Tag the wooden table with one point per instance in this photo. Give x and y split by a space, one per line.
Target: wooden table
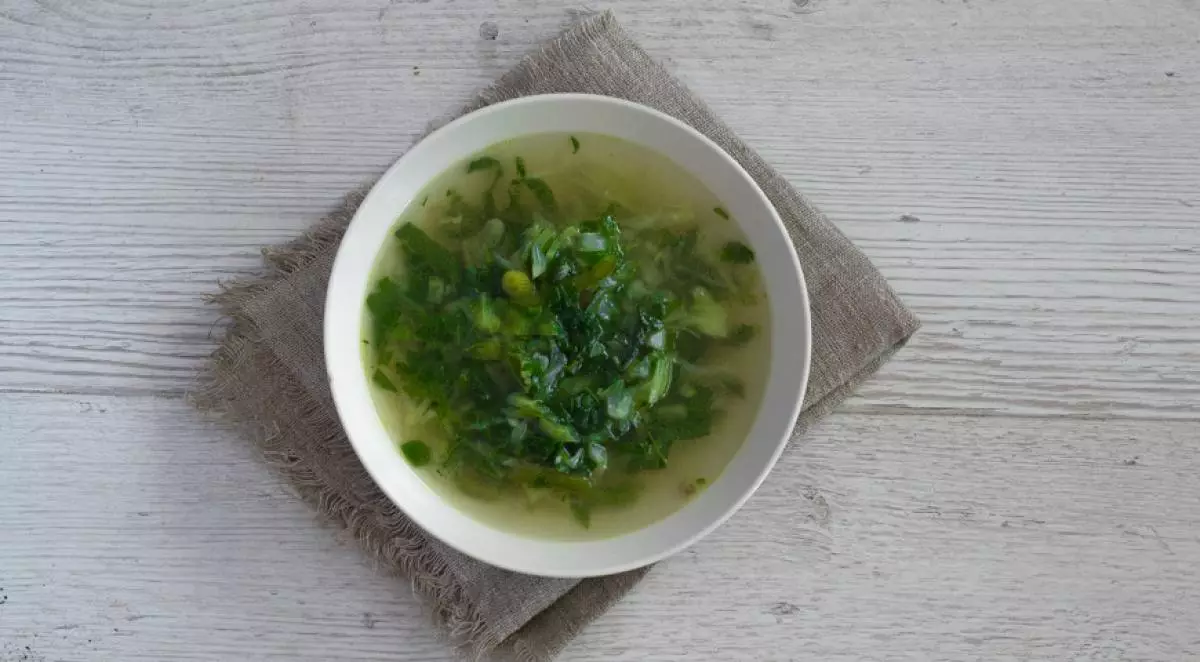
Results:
1020 483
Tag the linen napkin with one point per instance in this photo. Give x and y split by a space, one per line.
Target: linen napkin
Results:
269 373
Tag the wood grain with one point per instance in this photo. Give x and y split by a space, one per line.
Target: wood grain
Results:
879 536
1017 484
1050 191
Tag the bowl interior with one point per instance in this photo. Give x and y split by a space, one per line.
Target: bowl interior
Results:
784 283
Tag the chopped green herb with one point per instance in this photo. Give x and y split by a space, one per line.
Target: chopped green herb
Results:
574 145
720 211
417 453
424 200
382 381
735 252
541 191
483 163
554 356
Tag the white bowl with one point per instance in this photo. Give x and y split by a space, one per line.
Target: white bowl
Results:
790 332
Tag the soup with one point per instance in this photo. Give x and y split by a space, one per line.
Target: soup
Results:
567 336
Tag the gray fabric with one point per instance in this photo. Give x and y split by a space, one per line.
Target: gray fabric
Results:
269 373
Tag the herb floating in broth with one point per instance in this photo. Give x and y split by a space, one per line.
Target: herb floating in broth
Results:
552 354
736 252
417 453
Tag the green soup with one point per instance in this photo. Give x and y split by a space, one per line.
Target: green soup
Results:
567 336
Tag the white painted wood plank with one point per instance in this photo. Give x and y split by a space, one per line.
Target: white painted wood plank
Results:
134 530
1051 160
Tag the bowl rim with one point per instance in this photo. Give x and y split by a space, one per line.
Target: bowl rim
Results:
332 323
